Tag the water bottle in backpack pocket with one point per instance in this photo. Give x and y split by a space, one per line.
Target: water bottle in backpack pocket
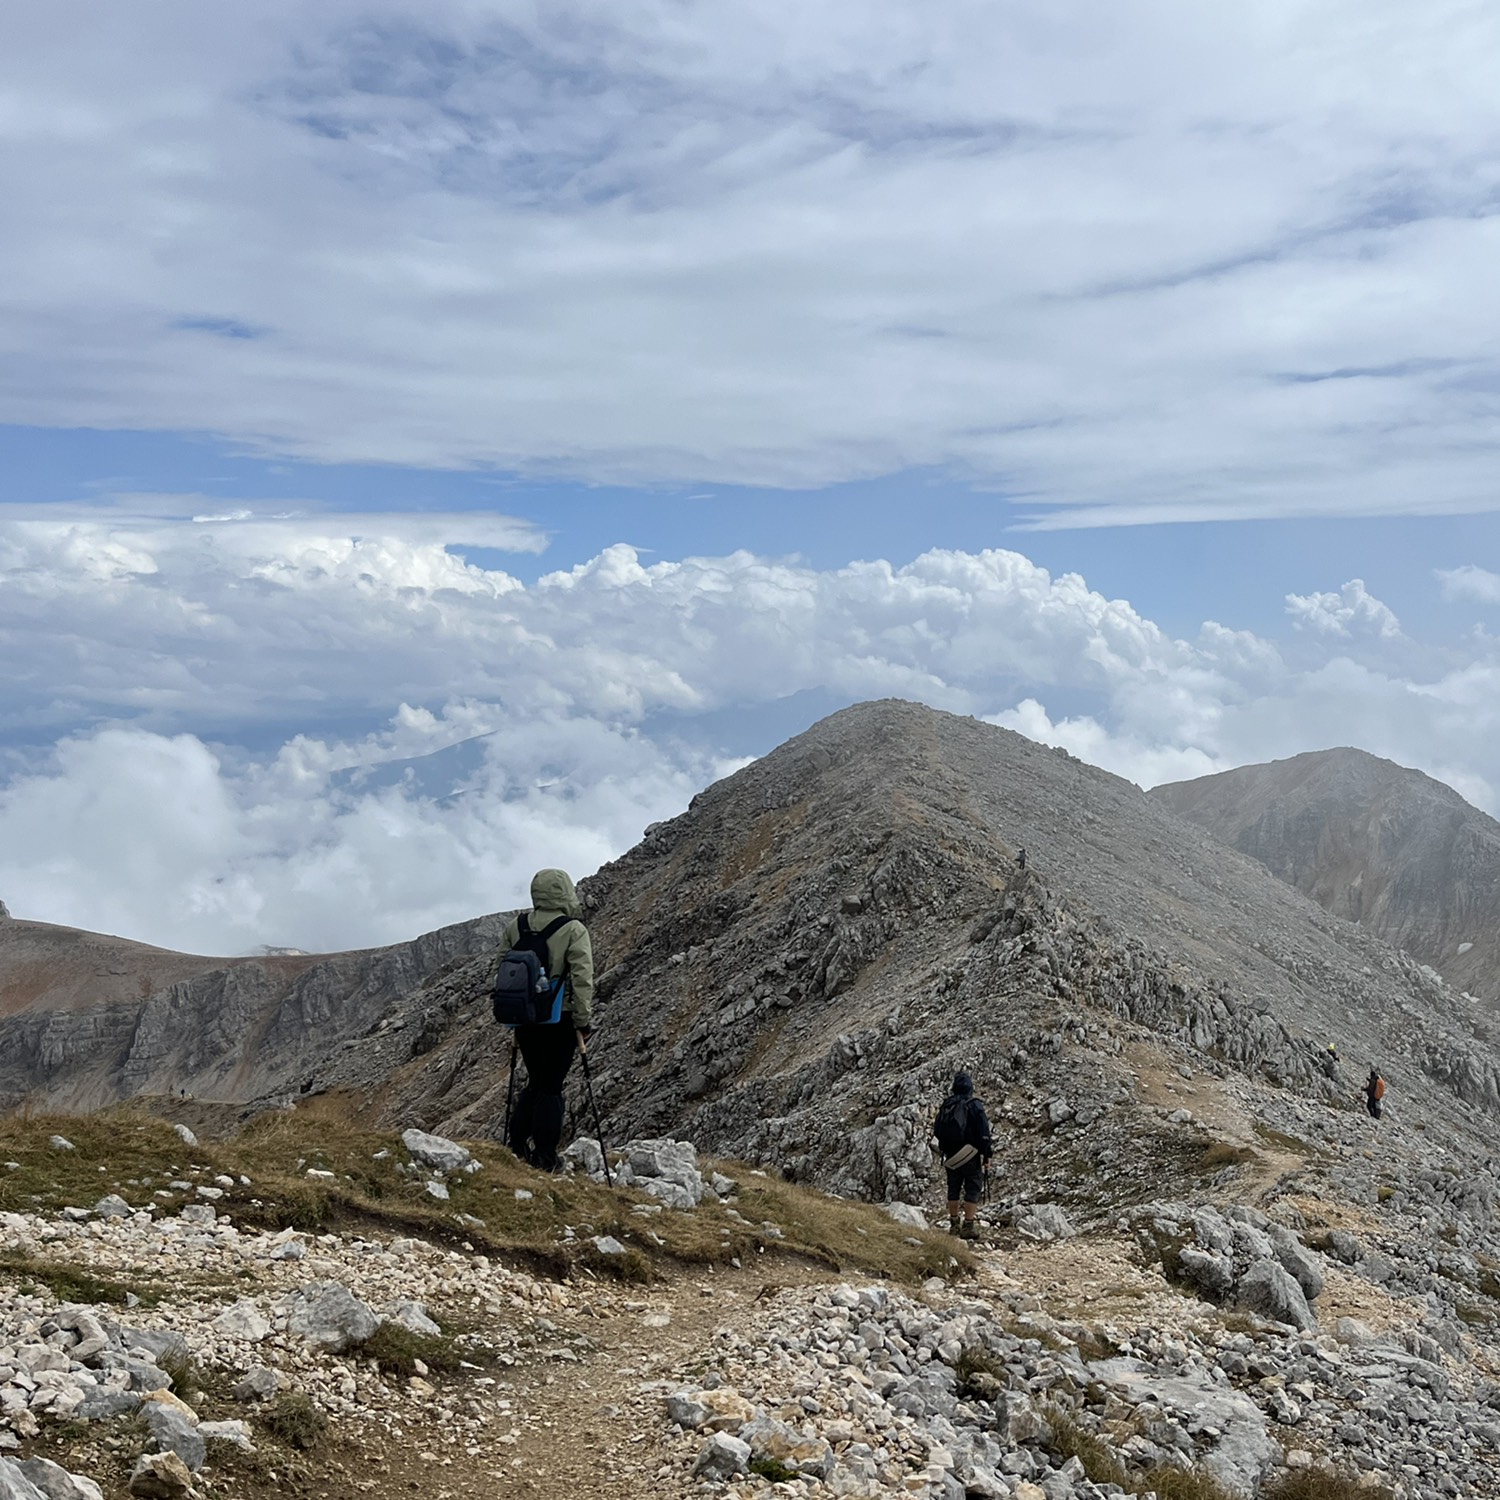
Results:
524 993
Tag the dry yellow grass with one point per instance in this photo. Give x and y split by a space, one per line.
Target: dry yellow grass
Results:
138 1155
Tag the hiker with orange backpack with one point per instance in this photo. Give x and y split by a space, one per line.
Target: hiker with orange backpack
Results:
1374 1094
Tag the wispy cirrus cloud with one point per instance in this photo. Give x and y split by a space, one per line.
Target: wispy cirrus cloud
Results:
1121 266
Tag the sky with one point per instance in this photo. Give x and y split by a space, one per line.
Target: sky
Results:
436 440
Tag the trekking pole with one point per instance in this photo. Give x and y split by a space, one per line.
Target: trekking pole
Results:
510 1091
588 1083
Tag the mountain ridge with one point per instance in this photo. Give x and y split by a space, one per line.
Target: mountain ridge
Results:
1390 848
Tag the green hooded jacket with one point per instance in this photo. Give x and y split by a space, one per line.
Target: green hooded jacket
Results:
570 951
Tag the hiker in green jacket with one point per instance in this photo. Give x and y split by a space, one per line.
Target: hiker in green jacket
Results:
537 1121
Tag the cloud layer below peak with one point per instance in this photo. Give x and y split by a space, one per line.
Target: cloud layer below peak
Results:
202 750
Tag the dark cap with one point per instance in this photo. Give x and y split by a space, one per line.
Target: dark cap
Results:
962 1084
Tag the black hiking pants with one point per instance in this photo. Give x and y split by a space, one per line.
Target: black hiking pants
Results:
967 1182
537 1123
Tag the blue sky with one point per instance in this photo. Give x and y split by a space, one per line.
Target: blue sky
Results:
621 385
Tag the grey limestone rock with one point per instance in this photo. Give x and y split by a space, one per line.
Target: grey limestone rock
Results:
330 1315
259 1383
411 1316
175 1432
436 1151
161 1476
1268 1290
243 1320
56 1483
14 1485
722 1457
1044 1221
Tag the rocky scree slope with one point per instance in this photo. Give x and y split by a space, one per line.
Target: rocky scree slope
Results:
86 1020
1067 1369
794 967
1372 842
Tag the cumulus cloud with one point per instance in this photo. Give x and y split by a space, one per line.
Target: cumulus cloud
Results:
1352 609
1470 583
1123 264
158 837
201 749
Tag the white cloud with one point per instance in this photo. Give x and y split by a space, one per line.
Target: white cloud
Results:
1352 609
156 837
1470 583
1123 263
220 767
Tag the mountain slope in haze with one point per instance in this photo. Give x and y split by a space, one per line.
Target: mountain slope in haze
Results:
1372 842
794 967
87 1019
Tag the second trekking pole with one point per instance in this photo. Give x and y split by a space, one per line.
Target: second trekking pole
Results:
588 1083
510 1092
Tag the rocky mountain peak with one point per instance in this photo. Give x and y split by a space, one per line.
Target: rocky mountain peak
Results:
1372 842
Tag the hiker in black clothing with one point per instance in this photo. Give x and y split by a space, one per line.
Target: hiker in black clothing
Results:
1374 1094
963 1134
1021 858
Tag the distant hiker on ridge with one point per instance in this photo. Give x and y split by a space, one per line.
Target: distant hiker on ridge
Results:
963 1136
554 930
1374 1094
1021 858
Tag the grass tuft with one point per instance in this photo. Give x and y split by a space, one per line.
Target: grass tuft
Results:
772 1470
182 1369
294 1420
1321 1483
66 1282
397 1350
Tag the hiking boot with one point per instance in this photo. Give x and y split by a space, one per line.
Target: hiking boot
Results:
952 1226
970 1230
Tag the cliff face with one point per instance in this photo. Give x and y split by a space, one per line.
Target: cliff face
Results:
795 967
1372 842
87 1019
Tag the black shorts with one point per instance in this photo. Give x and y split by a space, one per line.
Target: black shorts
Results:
966 1182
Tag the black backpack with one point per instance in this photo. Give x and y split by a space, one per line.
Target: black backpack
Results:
952 1124
524 993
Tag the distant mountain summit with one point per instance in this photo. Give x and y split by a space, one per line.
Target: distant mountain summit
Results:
1370 841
